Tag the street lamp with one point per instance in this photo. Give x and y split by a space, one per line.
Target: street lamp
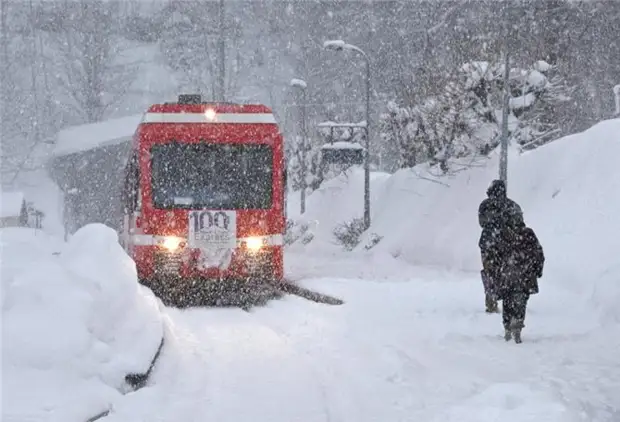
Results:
340 45
302 85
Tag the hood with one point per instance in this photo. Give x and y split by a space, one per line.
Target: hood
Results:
497 189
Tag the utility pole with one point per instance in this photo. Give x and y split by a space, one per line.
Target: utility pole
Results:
304 141
221 83
367 160
503 159
4 65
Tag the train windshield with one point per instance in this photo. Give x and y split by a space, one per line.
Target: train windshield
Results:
217 176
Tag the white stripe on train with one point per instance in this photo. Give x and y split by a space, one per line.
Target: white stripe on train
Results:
150 240
247 118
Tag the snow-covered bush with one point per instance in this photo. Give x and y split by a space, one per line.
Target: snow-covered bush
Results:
373 240
294 231
297 230
349 233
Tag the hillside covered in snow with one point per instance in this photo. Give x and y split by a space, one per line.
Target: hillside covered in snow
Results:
566 189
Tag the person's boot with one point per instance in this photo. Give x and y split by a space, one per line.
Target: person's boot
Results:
516 327
507 334
490 304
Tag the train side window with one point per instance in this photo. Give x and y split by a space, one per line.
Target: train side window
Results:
131 191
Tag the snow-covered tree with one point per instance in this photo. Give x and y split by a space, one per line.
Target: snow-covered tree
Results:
95 67
465 119
189 43
541 93
314 175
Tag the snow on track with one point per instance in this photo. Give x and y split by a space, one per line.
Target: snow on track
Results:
226 366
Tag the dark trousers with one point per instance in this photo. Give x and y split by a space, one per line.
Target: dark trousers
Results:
514 308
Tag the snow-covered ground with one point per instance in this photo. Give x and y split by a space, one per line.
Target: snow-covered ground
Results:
418 348
411 342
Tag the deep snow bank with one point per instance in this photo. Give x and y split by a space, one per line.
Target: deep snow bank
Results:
74 324
568 190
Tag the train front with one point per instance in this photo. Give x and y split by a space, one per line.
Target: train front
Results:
212 194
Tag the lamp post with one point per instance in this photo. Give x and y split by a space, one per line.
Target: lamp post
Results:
340 45
221 76
302 85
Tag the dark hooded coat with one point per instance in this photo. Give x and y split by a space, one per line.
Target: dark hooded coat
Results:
493 215
521 259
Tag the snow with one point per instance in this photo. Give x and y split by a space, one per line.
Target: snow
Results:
331 124
536 79
416 347
411 342
565 189
617 95
343 145
299 83
522 101
74 324
542 66
11 204
478 70
334 44
94 135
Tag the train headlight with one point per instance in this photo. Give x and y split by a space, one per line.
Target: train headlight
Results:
210 114
254 244
172 243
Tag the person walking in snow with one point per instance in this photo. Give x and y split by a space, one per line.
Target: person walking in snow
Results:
522 260
491 217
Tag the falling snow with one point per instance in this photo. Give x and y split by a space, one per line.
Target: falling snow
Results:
184 195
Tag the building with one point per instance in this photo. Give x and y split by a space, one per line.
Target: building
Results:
87 164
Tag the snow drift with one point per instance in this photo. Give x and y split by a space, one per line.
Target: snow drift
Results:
74 324
568 191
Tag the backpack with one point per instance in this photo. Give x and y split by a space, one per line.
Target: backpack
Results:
535 257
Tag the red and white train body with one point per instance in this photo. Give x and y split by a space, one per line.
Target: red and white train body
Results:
204 192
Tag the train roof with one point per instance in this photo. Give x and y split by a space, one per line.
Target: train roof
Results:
193 103
192 109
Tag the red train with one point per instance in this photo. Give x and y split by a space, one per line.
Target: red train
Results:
204 192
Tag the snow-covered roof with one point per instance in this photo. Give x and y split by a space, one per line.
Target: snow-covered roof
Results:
299 83
343 145
95 135
336 124
11 204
